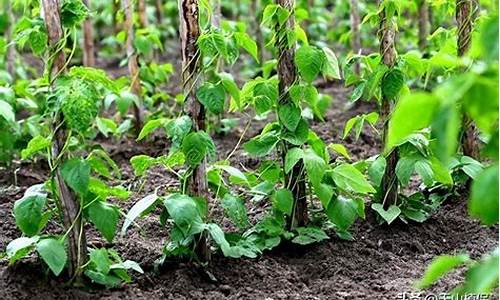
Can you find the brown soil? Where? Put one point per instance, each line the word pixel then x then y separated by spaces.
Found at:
pixel 382 263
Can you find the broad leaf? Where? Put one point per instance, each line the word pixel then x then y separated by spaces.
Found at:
pixel 35 145
pixel 310 61
pixel 309 235
pixel 20 247
pixel 413 112
pixel 76 173
pixel 28 213
pixel 283 201
pixel 183 210
pixel 315 166
pixel 351 179
pixel 342 211
pixel 289 115
pixel 212 96
pixel 261 145
pixel 483 202
pixel 151 126
pixel 105 218
pixel 235 210
pixel 53 254
pixel 388 215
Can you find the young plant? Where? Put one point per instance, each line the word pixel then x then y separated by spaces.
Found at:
pixel 191 145
pixel 476 93
pixel 71 195
pixel 306 164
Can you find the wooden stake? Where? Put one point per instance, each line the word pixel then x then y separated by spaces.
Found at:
pixel 88 39
pixel 423 24
pixel 133 62
pixel 141 11
pixel 77 245
pixel 355 36
pixel 189 33
pixel 465 20
pixel 389 185
pixel 287 74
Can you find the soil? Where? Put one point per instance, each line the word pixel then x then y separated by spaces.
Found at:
pixel 383 262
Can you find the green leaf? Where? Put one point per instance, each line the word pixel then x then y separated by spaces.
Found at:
pixel 377 169
pixel 471 167
pixel 292 157
pixel 331 68
pixel 53 254
pixel 440 172
pixel 212 96
pixel 7 112
pixel 234 172
pixel 358 92
pixel 231 87
pixel 151 126
pixel 348 178
pixel 144 205
pixel 103 279
pixel 483 203
pixel 35 145
pixel 315 167
pixel 309 235
pixel 73 13
pixel 105 218
pixel 20 247
pixel 268 14
pixel 342 211
pixel 423 168
pixel 289 115
pixel 103 191
pixel 101 163
pixel 340 149
pixel 445 131
pixel 482 277
pixel 283 201
pixel 106 126
pixel 372 117
pixel 413 112
pixel 480 103
pixel 299 136
pixel 310 61
pixel 405 168
pixel 266 95
pixel 236 211
pixel 194 149
pixel 392 83
pixel 100 259
pixel 177 129
pixel 439 267
pixel 388 215
pixel 28 213
pixel 350 124
pixel 247 43
pixel 141 163
pixel 128 265
pixel 183 210
pixel 261 145
pixel 76 173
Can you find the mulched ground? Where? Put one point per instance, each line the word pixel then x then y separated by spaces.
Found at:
pixel 382 263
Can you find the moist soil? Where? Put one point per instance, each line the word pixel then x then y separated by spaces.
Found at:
pixel 383 262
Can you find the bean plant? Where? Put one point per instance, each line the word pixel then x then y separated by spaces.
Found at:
pixel 194 72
